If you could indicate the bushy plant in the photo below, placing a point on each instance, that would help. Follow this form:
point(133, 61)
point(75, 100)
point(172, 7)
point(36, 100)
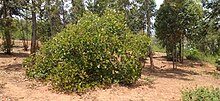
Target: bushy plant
point(96, 51)
point(193, 54)
point(201, 94)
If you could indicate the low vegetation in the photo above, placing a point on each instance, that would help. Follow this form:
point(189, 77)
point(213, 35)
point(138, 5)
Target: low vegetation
point(218, 64)
point(201, 94)
point(150, 79)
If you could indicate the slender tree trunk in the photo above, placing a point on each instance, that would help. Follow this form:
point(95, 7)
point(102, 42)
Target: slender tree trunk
point(7, 41)
point(149, 34)
point(34, 31)
point(63, 12)
point(176, 57)
point(26, 32)
point(173, 56)
point(181, 49)
point(49, 15)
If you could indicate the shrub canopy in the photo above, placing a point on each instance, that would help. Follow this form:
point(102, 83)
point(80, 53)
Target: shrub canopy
point(95, 51)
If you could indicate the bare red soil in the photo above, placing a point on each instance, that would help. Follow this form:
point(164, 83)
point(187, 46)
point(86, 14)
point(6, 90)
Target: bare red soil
point(161, 84)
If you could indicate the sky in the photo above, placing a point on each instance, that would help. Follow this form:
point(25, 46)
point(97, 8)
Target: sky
point(158, 2)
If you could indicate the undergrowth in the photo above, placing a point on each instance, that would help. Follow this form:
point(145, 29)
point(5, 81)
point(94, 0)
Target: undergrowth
point(201, 94)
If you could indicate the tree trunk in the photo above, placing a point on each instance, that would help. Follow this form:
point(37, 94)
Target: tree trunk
point(49, 21)
point(181, 49)
point(173, 58)
point(63, 12)
point(176, 57)
point(7, 41)
point(26, 32)
point(8, 44)
point(149, 34)
point(34, 31)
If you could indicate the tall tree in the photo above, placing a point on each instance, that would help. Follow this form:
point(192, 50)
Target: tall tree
point(175, 21)
point(77, 10)
point(209, 39)
point(148, 7)
point(34, 28)
point(7, 10)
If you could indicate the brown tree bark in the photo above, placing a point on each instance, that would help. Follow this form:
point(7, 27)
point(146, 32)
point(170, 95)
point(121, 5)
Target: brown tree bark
point(7, 24)
point(181, 49)
point(34, 29)
point(63, 13)
point(149, 34)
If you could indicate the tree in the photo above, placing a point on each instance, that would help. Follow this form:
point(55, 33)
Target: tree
point(34, 28)
point(176, 20)
point(77, 10)
point(98, 6)
point(209, 39)
point(8, 9)
point(148, 7)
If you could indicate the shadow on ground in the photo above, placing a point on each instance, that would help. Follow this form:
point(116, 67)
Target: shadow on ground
point(178, 73)
point(18, 55)
point(14, 67)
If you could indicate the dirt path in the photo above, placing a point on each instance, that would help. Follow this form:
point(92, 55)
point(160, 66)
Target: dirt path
point(162, 84)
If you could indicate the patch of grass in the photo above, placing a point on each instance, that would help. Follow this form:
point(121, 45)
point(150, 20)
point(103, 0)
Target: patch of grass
point(150, 79)
point(215, 74)
point(210, 58)
point(158, 48)
point(156, 45)
point(196, 55)
point(201, 94)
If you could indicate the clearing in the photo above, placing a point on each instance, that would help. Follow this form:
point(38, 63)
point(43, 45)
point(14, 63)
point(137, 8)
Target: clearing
point(161, 84)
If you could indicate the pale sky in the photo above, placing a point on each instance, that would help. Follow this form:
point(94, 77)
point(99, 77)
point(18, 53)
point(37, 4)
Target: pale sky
point(158, 2)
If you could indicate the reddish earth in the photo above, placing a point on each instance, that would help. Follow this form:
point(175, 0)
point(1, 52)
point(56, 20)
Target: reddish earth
point(160, 84)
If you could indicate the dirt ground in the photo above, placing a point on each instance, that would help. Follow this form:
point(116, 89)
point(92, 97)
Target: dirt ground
point(160, 84)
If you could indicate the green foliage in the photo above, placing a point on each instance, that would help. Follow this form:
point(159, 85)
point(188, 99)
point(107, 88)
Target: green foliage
point(150, 79)
point(215, 74)
point(176, 20)
point(96, 51)
point(193, 54)
point(218, 64)
point(201, 94)
point(156, 45)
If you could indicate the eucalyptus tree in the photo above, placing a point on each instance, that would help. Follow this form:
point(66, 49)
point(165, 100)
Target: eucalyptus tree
point(175, 21)
point(77, 10)
point(148, 10)
point(8, 8)
point(99, 6)
point(34, 27)
point(209, 40)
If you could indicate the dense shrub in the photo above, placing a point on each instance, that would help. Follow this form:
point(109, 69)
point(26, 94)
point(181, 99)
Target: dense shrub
point(96, 51)
point(193, 54)
point(201, 94)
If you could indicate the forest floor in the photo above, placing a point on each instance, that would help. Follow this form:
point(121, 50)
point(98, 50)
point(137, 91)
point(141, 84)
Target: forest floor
point(161, 84)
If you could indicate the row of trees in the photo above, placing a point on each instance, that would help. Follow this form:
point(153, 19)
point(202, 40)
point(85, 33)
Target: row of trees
point(188, 23)
point(50, 16)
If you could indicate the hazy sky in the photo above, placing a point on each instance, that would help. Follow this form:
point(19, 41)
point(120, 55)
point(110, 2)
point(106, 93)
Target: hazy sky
point(159, 2)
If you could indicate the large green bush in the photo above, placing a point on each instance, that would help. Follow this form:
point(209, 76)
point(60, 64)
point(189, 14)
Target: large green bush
point(201, 94)
point(96, 51)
